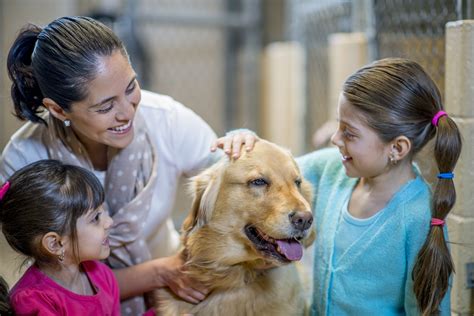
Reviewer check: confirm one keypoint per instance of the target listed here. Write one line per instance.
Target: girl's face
(105, 117)
(92, 235)
(364, 155)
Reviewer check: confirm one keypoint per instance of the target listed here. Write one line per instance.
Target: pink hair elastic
(437, 116)
(437, 222)
(4, 189)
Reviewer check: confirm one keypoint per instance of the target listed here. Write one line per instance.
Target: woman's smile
(122, 129)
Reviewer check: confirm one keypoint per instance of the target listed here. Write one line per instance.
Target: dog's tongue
(290, 248)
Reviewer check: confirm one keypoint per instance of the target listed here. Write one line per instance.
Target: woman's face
(106, 116)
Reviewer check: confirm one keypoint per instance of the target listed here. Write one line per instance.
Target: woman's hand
(233, 141)
(171, 274)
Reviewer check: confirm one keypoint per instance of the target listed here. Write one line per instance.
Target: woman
(136, 142)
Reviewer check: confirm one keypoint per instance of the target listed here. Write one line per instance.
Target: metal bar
(231, 67)
(250, 67)
(363, 20)
(201, 19)
(464, 10)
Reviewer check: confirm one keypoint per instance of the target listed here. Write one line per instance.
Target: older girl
(381, 247)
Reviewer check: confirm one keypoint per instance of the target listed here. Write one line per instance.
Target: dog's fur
(245, 278)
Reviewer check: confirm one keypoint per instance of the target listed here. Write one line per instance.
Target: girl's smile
(106, 242)
(346, 158)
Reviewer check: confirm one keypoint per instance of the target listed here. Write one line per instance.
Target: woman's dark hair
(397, 97)
(47, 196)
(57, 62)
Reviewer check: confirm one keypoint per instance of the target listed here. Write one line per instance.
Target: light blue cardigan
(373, 276)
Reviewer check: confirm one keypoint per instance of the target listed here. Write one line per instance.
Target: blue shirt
(349, 230)
(372, 276)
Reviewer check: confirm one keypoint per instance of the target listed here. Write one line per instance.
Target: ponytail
(26, 94)
(5, 308)
(434, 264)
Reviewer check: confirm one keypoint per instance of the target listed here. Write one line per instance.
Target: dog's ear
(206, 188)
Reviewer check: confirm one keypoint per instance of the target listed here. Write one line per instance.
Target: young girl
(381, 246)
(52, 213)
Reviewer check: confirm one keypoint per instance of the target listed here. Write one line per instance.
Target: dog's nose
(301, 220)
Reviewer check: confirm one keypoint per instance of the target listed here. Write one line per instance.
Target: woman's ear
(55, 110)
(400, 147)
(52, 243)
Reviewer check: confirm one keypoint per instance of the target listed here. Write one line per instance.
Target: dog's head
(251, 211)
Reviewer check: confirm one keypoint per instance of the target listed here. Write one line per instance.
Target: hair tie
(437, 222)
(445, 175)
(437, 116)
(4, 189)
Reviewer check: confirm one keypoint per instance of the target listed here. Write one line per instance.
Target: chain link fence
(412, 29)
(415, 30)
(310, 23)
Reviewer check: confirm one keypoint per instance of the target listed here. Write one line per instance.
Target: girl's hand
(233, 141)
(171, 274)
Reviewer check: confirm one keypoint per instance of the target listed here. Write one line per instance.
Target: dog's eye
(298, 182)
(259, 182)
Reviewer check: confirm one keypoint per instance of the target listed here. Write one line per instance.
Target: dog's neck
(226, 277)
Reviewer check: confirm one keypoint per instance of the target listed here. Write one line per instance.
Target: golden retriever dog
(250, 220)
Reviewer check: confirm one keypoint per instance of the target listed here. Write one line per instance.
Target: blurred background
(274, 66)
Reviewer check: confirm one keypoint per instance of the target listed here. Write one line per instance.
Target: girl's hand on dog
(233, 142)
(172, 275)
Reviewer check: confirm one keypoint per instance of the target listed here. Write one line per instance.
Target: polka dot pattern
(130, 180)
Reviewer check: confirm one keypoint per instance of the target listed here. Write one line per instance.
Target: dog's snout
(301, 220)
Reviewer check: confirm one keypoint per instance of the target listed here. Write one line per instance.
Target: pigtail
(5, 308)
(434, 264)
(25, 91)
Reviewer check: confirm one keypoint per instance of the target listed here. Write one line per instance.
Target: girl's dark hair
(57, 62)
(397, 97)
(47, 196)
(5, 308)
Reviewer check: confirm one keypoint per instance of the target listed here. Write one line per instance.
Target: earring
(61, 256)
(392, 159)
(67, 123)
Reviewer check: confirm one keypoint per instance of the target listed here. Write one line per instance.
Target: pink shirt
(37, 294)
